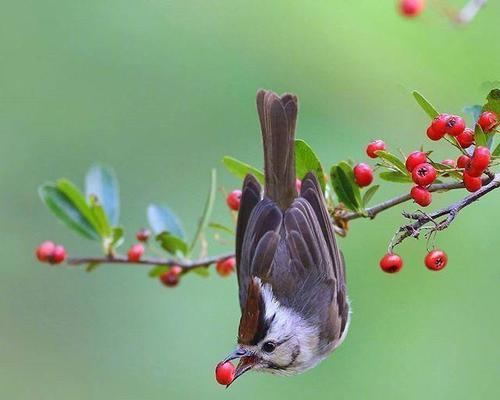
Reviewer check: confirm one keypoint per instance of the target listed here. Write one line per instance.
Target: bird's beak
(246, 363)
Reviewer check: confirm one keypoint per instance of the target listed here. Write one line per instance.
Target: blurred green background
(161, 90)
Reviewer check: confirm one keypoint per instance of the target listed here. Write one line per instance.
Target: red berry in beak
(135, 252)
(436, 260)
(415, 158)
(466, 138)
(44, 251)
(234, 199)
(421, 196)
(374, 146)
(472, 184)
(455, 125)
(226, 267)
(411, 8)
(363, 174)
(171, 278)
(391, 263)
(224, 373)
(423, 174)
(488, 120)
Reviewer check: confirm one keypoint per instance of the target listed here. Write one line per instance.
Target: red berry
(423, 174)
(44, 251)
(411, 8)
(488, 120)
(298, 185)
(415, 158)
(462, 161)
(438, 127)
(480, 159)
(171, 278)
(234, 199)
(224, 373)
(142, 235)
(455, 125)
(466, 138)
(58, 255)
(135, 252)
(391, 263)
(433, 134)
(421, 196)
(436, 260)
(374, 146)
(363, 174)
(472, 184)
(226, 267)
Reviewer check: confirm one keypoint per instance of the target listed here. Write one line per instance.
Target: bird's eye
(269, 347)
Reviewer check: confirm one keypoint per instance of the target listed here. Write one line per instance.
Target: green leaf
(454, 174)
(480, 137)
(65, 210)
(395, 176)
(220, 227)
(493, 102)
(306, 161)
(101, 182)
(240, 169)
(392, 160)
(172, 244)
(158, 270)
(116, 236)
(162, 219)
(78, 200)
(496, 152)
(100, 217)
(342, 179)
(369, 194)
(202, 271)
(207, 211)
(92, 266)
(426, 106)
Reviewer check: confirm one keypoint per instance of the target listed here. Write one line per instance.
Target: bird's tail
(278, 116)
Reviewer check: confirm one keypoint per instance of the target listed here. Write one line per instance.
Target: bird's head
(273, 338)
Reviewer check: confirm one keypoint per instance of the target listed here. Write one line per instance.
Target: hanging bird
(291, 277)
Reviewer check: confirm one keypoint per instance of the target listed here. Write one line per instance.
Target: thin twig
(185, 265)
(451, 212)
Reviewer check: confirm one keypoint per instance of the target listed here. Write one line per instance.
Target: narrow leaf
(454, 174)
(78, 200)
(306, 161)
(426, 106)
(480, 137)
(240, 169)
(101, 182)
(220, 227)
(496, 152)
(100, 217)
(171, 243)
(92, 266)
(65, 210)
(162, 219)
(117, 236)
(202, 271)
(493, 102)
(392, 160)
(369, 194)
(344, 188)
(395, 176)
(207, 211)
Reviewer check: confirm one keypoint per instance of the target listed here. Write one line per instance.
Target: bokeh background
(161, 90)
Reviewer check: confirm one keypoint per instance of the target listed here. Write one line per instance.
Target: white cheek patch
(300, 339)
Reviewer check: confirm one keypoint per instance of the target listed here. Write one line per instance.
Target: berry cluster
(469, 167)
(51, 253)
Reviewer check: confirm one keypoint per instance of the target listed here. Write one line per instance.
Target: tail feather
(278, 116)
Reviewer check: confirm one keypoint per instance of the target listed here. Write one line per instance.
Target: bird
(291, 274)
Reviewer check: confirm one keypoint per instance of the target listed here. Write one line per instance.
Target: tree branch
(422, 219)
(186, 265)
